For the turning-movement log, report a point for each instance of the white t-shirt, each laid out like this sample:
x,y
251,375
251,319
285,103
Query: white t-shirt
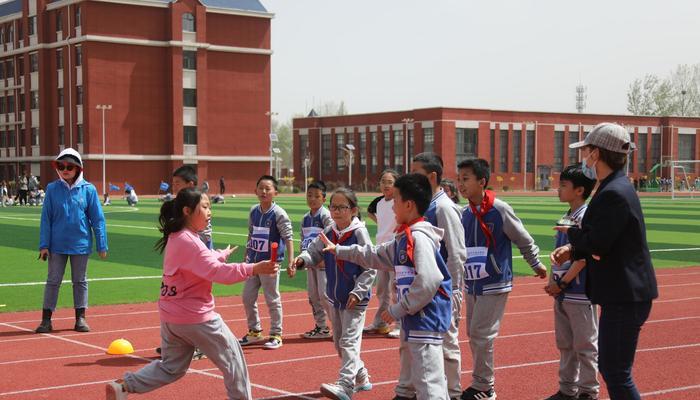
x,y
386,221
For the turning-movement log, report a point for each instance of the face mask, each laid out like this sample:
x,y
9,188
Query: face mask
x,y
589,171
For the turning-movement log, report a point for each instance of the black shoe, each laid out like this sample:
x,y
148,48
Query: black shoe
x,y
586,396
45,326
80,324
560,396
474,394
397,397
198,354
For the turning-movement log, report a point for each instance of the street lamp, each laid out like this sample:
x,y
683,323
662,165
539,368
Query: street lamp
x,y
406,121
276,151
349,148
104,107
307,161
273,136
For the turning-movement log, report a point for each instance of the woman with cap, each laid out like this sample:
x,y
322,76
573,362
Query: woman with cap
x,y
71,214
612,240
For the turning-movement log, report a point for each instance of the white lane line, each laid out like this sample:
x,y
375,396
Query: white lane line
x,y
70,386
670,390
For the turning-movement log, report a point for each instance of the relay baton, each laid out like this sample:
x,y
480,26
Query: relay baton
x,y
273,251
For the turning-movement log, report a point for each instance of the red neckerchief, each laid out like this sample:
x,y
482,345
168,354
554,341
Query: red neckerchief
x,y
339,240
406,230
486,205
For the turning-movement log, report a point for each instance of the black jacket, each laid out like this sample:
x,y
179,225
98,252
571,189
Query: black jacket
x,y
613,228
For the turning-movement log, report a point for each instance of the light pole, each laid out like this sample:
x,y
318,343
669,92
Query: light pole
x,y
273,136
104,107
406,121
276,151
349,148
307,161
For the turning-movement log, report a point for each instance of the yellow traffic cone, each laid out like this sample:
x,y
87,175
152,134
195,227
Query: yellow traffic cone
x,y
120,347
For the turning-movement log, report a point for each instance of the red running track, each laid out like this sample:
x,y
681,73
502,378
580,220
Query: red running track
x,y
70,365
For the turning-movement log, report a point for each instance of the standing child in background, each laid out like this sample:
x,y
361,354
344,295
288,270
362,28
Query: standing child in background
x,y
70,215
381,211
490,226
186,304
423,282
314,222
268,223
575,319
348,287
446,215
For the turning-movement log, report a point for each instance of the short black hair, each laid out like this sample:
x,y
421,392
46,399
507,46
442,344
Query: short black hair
x,y
574,174
431,163
415,187
479,167
267,178
187,174
612,159
320,185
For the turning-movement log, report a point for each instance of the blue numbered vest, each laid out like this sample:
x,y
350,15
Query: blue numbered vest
x,y
263,232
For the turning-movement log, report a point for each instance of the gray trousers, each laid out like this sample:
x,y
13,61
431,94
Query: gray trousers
x,y
422,368
576,331
271,291
347,337
484,315
78,271
386,291
178,342
316,288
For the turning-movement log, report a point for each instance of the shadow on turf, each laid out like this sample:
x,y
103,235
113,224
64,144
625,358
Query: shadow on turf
x,y
112,362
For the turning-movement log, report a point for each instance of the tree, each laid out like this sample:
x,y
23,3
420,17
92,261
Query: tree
x,y
677,95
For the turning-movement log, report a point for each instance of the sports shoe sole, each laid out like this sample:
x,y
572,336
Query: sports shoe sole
x,y
366,387
249,342
114,391
332,395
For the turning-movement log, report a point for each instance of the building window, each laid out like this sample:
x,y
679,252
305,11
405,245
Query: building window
x,y
10,104
20,31
339,152
3,142
78,56
503,164
21,101
387,149
189,97
11,34
558,150
642,152
35,136
2,70
363,152
10,139
428,139
79,131
466,143
60,97
31,25
34,99
59,59
573,153
78,17
686,151
398,150
33,62
373,151
61,136
59,21
303,148
189,59
326,152
22,138
2,35
20,66
10,69
492,148
188,23
517,159
2,106
190,134
655,149
79,96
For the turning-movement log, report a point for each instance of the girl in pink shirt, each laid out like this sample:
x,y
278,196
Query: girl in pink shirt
x,y
186,304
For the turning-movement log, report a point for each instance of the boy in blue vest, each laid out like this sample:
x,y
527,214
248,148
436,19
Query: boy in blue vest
x,y
575,319
268,223
490,229
423,286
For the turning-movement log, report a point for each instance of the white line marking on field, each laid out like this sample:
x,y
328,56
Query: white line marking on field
x,y
120,210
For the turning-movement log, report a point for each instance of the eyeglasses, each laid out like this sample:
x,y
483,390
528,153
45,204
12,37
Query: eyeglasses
x,y
61,167
339,208
386,182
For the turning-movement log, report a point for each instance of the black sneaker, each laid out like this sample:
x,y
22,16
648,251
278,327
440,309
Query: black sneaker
x,y
198,354
561,396
587,396
474,394
397,397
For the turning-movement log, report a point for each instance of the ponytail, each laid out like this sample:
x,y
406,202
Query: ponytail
x,y
172,219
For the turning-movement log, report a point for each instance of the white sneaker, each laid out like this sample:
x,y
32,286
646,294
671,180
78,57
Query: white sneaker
x,y
334,391
394,333
362,383
251,337
115,391
273,342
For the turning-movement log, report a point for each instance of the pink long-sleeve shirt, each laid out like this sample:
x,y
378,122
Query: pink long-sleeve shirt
x,y
189,268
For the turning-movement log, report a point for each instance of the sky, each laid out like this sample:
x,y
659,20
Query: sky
x,y
384,55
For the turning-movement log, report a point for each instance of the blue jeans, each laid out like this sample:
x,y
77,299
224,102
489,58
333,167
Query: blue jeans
x,y
617,343
57,268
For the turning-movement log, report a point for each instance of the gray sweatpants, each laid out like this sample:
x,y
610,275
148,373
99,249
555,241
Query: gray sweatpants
x,y
347,337
178,342
316,288
386,291
78,273
271,290
576,331
422,368
484,315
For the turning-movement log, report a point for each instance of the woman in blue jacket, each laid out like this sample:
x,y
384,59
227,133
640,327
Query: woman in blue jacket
x,y
71,210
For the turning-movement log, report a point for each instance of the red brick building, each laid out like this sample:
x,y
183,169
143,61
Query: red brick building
x,y
512,141
188,83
